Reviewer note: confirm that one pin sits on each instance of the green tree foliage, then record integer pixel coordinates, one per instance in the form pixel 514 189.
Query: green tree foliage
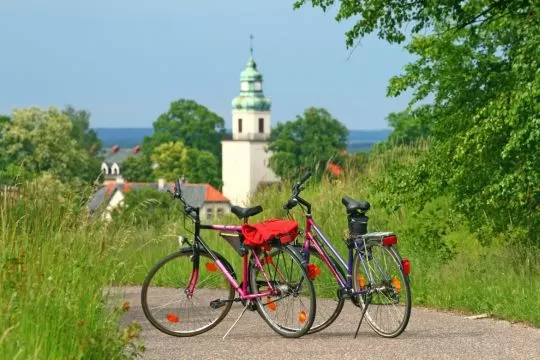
pixel 308 142
pixel 85 137
pixel 138 168
pixel 174 160
pixel 37 140
pixel 479 60
pixel 409 125
pixel 189 122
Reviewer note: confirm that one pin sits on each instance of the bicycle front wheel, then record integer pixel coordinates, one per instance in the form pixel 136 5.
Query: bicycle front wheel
pixel 291 311
pixel 180 300
pixel 378 268
pixel 329 304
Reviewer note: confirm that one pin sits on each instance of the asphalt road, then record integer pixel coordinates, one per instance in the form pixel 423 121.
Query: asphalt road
pixel 430 335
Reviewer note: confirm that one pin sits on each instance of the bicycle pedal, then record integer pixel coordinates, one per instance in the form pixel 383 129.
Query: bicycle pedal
pixel 216 304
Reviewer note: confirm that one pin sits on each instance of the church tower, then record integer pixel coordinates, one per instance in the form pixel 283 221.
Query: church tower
pixel 245 157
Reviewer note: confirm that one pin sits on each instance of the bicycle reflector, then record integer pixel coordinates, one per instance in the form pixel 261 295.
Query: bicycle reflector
pixel 405 263
pixel 389 240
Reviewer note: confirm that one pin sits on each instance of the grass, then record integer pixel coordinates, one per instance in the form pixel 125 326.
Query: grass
pixel 55 265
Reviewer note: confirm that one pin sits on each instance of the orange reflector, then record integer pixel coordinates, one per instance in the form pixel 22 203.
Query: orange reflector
pixel 211 267
pixel 361 281
pixel 396 283
pixel 173 318
pixel 313 271
pixel 406 266
pixel 302 317
pixel 389 240
pixel 268 260
pixel 271 305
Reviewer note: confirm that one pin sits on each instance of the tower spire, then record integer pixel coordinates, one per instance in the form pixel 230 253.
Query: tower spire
pixel 251 44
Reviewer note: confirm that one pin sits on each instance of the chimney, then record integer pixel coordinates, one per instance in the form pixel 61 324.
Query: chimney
pixel 161 184
pixel 136 149
pixel 115 149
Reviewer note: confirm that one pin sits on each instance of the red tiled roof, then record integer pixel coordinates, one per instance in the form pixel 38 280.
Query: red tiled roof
pixel 213 195
pixel 335 169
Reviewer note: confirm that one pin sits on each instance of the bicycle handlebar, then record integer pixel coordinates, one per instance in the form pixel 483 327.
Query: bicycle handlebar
pixel 193 212
pixel 297 188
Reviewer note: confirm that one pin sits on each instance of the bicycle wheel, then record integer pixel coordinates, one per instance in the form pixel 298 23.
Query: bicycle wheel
pixel 165 297
pixel 329 304
pixel 379 268
pixel 291 312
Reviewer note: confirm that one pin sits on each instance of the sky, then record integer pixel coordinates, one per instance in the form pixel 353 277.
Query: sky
pixel 126 61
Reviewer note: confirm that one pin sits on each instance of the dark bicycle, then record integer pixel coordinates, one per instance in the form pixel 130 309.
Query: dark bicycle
pixel 375 277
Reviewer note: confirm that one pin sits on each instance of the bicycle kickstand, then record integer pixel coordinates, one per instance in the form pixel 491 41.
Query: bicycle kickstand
pixel 234 324
pixel 362 317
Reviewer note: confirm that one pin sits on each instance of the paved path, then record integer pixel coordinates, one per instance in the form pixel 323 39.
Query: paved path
pixel 429 335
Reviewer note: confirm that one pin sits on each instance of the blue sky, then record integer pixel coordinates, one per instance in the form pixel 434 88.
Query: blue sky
pixel 125 61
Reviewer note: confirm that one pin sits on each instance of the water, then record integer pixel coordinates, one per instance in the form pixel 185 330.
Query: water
pixel 359 140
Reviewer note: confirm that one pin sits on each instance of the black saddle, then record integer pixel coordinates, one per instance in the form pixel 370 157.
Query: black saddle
pixel 243 213
pixel 353 205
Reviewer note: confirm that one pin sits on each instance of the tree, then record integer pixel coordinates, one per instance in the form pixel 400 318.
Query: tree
pixel 479 60
pixel 40 140
pixel 409 125
pixel 85 137
pixel 308 142
pixel 174 160
pixel 191 123
pixel 138 168
pixel 171 160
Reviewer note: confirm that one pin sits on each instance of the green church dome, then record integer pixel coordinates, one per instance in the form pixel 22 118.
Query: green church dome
pixel 251 95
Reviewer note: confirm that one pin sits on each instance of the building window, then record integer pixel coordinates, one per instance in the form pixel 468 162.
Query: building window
pixel 261 125
pixel 239 125
pixel 219 212
pixel 209 213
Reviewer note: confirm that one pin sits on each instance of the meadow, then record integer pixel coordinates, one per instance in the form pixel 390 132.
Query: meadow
pixel 57 261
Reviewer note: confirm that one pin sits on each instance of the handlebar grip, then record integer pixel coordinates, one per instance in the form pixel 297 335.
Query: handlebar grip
pixel 305 177
pixel 290 204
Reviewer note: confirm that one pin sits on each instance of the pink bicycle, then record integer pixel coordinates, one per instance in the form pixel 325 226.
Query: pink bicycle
pixel 191 291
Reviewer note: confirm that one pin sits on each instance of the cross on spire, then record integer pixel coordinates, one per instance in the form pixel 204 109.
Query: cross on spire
pixel 251 44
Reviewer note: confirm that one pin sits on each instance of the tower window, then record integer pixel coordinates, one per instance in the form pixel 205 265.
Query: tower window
pixel 239 125
pixel 261 125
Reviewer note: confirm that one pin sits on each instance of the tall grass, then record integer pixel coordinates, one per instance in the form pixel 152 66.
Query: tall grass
pixel 55 265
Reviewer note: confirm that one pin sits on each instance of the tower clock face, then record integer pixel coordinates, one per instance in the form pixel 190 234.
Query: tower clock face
pixel 258 85
pixel 244 86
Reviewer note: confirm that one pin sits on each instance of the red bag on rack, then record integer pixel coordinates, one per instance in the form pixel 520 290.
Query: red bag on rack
pixel 263 232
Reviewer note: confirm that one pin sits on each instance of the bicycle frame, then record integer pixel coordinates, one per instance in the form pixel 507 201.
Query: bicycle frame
pixel 243 290
pixel 310 239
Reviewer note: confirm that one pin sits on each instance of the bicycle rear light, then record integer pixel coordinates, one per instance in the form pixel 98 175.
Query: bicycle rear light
pixel 389 240
pixel 406 266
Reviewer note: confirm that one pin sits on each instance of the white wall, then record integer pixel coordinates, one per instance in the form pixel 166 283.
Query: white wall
pixel 236 173
pixel 260 171
pixel 250 124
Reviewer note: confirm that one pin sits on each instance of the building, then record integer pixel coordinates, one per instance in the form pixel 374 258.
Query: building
pixel 245 155
pixel 111 167
pixel 210 201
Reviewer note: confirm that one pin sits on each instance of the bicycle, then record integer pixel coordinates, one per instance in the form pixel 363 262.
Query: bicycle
pixel 375 277
pixel 191 290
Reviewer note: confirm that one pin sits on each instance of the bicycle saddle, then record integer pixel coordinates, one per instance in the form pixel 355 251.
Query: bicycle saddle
pixel 353 205
pixel 246 212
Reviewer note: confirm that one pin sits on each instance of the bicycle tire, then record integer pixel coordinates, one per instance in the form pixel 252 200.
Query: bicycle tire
pixel 390 293
pixel 321 288
pixel 307 314
pixel 188 253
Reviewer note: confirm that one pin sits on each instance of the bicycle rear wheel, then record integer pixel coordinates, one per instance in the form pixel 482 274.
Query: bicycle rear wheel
pixel 291 312
pixel 329 304
pixel 166 299
pixel 379 268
